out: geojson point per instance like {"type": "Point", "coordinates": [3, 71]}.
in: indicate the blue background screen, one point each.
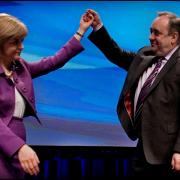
{"type": "Point", "coordinates": [77, 103]}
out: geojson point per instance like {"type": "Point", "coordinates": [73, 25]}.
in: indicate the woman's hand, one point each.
{"type": "Point", "coordinates": [28, 160]}
{"type": "Point", "coordinates": [85, 23]}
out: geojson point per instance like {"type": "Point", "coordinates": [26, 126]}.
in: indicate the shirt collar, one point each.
{"type": "Point", "coordinates": [167, 57]}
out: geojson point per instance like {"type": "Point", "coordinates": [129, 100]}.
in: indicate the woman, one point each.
{"type": "Point", "coordinates": [17, 94]}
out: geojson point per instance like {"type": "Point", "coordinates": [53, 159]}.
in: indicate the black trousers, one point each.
{"type": "Point", "coordinates": [139, 167]}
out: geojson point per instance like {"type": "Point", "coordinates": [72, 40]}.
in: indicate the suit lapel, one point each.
{"type": "Point", "coordinates": [144, 63]}
{"type": "Point", "coordinates": [171, 63]}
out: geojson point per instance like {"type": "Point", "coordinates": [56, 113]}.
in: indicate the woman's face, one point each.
{"type": "Point", "coordinates": [12, 48]}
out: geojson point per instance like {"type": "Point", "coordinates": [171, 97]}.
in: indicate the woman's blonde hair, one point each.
{"type": "Point", "coordinates": [11, 27]}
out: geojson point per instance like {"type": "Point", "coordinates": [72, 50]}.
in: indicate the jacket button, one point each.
{"type": "Point", "coordinates": [31, 99]}
{"type": "Point", "coordinates": [24, 89]}
{"type": "Point", "coordinates": [16, 80]}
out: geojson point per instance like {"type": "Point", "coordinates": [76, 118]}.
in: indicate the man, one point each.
{"type": "Point", "coordinates": [149, 104]}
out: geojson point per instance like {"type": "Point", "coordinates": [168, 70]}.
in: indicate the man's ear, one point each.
{"type": "Point", "coordinates": [175, 37]}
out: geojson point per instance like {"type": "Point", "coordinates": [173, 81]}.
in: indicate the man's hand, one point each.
{"type": "Point", "coordinates": [175, 163]}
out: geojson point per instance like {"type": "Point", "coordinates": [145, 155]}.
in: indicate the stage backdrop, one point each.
{"type": "Point", "coordinates": [77, 103]}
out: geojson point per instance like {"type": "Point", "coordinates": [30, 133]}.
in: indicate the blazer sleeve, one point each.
{"type": "Point", "coordinates": [51, 63]}
{"type": "Point", "coordinates": [10, 142]}
{"type": "Point", "coordinates": [110, 48]}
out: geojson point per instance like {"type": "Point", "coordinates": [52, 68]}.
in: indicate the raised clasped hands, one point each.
{"type": "Point", "coordinates": [89, 18]}
{"type": "Point", "coordinates": [96, 18]}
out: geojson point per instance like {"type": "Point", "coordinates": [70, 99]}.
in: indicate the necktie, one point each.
{"type": "Point", "coordinates": [145, 88]}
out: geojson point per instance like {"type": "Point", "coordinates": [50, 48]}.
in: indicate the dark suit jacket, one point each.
{"type": "Point", "coordinates": [160, 121]}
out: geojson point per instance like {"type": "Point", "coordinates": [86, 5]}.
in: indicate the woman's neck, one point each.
{"type": "Point", "coordinates": [6, 65]}
{"type": "Point", "coordinates": [8, 73]}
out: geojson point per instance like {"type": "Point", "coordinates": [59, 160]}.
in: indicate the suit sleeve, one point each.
{"type": "Point", "coordinates": [10, 142]}
{"type": "Point", "coordinates": [177, 144]}
{"type": "Point", "coordinates": [51, 63]}
{"type": "Point", "coordinates": [110, 49]}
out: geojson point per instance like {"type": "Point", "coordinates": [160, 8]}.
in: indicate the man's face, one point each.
{"type": "Point", "coordinates": [160, 39]}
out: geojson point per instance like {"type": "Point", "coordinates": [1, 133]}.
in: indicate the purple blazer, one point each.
{"type": "Point", "coordinates": [23, 74]}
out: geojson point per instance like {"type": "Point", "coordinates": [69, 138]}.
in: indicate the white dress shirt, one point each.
{"type": "Point", "coordinates": [19, 105]}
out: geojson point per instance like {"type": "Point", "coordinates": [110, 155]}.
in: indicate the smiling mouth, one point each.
{"type": "Point", "coordinates": [153, 44]}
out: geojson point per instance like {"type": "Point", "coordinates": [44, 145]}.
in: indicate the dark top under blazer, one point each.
{"type": "Point", "coordinates": [160, 122]}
